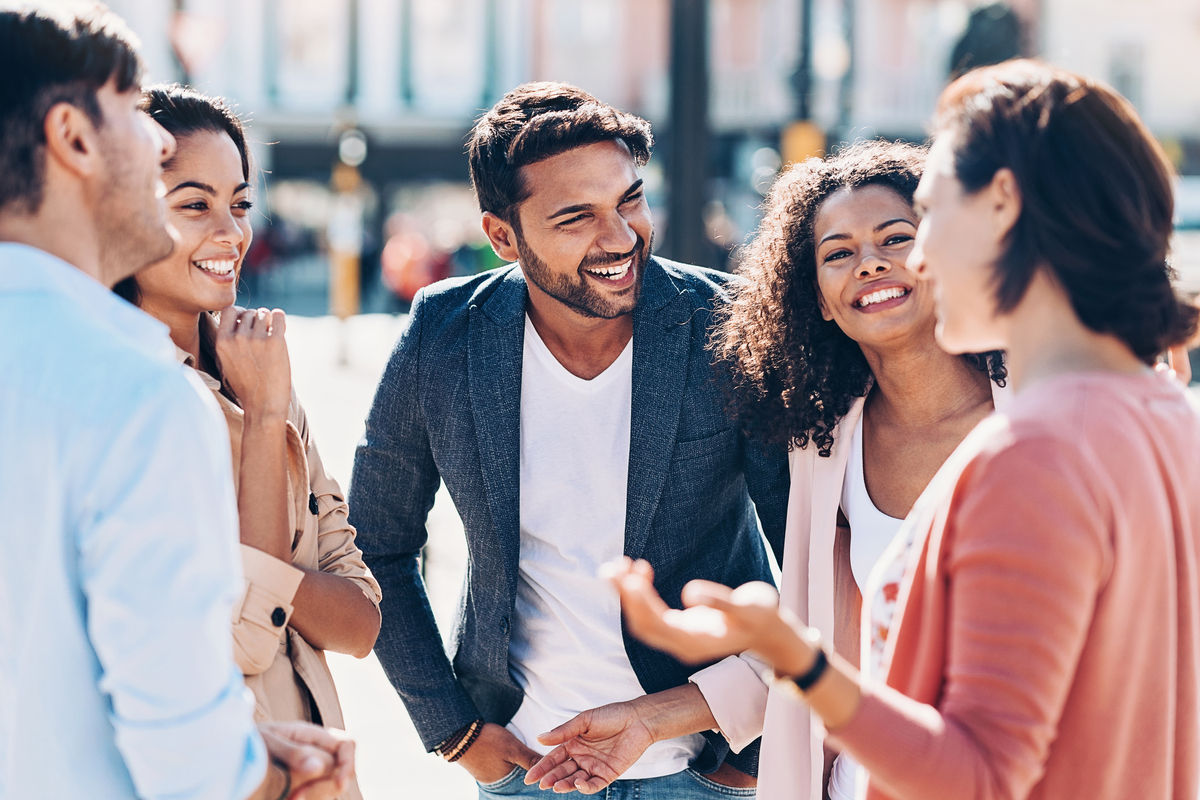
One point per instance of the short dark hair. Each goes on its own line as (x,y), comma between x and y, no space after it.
(183,111)
(1096,196)
(536,121)
(50,56)
(794,374)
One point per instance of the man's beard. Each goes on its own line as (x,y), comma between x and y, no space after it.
(580,295)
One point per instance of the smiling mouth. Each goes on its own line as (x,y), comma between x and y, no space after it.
(615,272)
(222,268)
(881,296)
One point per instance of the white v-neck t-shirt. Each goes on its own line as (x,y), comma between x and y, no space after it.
(566,649)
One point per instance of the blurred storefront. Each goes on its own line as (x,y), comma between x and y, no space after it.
(412,75)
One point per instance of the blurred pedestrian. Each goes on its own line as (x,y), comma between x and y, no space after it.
(306,587)
(571,408)
(116,672)
(1047,639)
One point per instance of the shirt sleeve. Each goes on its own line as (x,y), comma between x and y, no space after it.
(263,609)
(159,569)
(337,549)
(1025,556)
(736,696)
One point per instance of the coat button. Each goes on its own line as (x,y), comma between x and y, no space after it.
(504,624)
(278,617)
(312,503)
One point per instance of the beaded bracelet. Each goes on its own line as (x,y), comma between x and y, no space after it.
(455,741)
(465,745)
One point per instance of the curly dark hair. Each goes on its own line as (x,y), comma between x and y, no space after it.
(794,374)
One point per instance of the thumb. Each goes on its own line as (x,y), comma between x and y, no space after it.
(576,726)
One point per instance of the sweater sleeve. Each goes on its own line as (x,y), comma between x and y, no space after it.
(1025,555)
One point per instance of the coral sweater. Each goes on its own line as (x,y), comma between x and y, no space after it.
(1048,637)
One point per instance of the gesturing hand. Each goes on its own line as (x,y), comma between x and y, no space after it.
(594,749)
(254,359)
(718,622)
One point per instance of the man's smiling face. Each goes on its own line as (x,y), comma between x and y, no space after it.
(583,233)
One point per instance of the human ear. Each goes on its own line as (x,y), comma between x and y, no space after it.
(71,140)
(501,235)
(1005,197)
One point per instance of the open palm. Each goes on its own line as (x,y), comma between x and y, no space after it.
(594,749)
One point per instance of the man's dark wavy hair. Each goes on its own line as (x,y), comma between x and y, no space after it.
(794,374)
(1096,196)
(50,56)
(534,122)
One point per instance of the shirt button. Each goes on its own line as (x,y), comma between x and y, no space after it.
(504,624)
(312,503)
(278,617)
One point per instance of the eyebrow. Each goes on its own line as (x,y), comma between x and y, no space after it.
(204,187)
(575,209)
(876,229)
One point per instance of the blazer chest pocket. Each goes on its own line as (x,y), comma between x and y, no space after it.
(720,444)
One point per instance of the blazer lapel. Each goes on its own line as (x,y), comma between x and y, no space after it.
(825,495)
(662,335)
(495,343)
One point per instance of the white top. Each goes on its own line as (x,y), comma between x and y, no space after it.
(121,564)
(566,649)
(871,531)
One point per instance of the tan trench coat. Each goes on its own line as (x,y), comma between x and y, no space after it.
(289,677)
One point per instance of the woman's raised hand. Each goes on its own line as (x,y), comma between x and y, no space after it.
(254,360)
(718,622)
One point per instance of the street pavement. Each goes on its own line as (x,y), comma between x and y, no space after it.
(335,368)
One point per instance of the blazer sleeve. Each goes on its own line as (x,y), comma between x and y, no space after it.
(768,483)
(391,492)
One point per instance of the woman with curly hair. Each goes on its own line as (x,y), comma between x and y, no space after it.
(831,345)
(1046,641)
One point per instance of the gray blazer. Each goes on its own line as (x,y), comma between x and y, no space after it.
(448,406)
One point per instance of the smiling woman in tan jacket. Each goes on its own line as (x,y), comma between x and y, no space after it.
(306,587)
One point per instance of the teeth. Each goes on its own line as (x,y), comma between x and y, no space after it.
(616,271)
(216,267)
(881,296)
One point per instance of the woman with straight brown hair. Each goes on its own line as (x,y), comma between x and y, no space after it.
(1046,642)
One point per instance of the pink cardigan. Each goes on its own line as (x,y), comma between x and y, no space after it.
(1048,642)
(792,754)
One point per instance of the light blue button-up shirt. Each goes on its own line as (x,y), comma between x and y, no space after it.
(118,554)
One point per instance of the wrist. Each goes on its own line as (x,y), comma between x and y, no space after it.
(791,649)
(674,712)
(264,420)
(278,783)
(459,742)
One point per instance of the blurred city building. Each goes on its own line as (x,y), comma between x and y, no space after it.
(407,78)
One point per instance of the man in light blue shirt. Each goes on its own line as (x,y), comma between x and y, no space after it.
(120,563)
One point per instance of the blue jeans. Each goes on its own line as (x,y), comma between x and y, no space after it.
(686,785)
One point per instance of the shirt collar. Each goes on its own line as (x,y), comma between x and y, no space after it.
(27,269)
(185,358)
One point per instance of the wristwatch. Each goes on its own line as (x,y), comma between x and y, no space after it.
(806,680)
